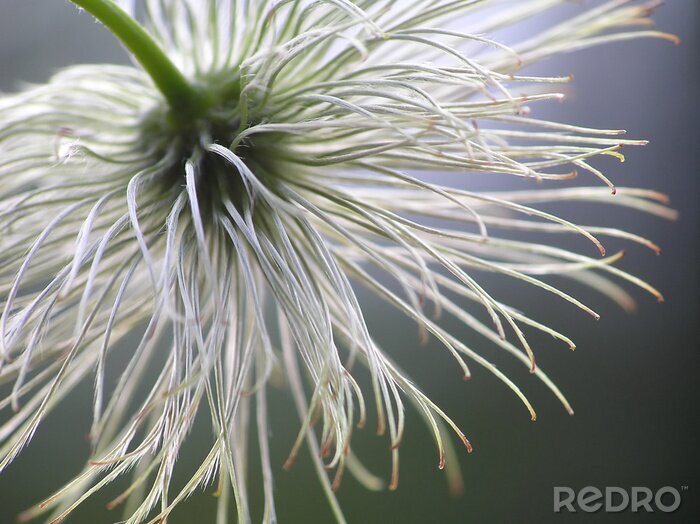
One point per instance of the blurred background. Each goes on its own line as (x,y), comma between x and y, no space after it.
(633,382)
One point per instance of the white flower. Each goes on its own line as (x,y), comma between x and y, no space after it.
(226,203)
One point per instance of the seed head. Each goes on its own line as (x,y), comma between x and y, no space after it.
(210,214)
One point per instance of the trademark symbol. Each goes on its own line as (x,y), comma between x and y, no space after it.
(684,488)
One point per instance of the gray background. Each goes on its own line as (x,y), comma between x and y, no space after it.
(633,382)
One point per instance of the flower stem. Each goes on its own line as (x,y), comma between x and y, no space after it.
(185,101)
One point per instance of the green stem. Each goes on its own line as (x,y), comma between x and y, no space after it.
(185,101)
